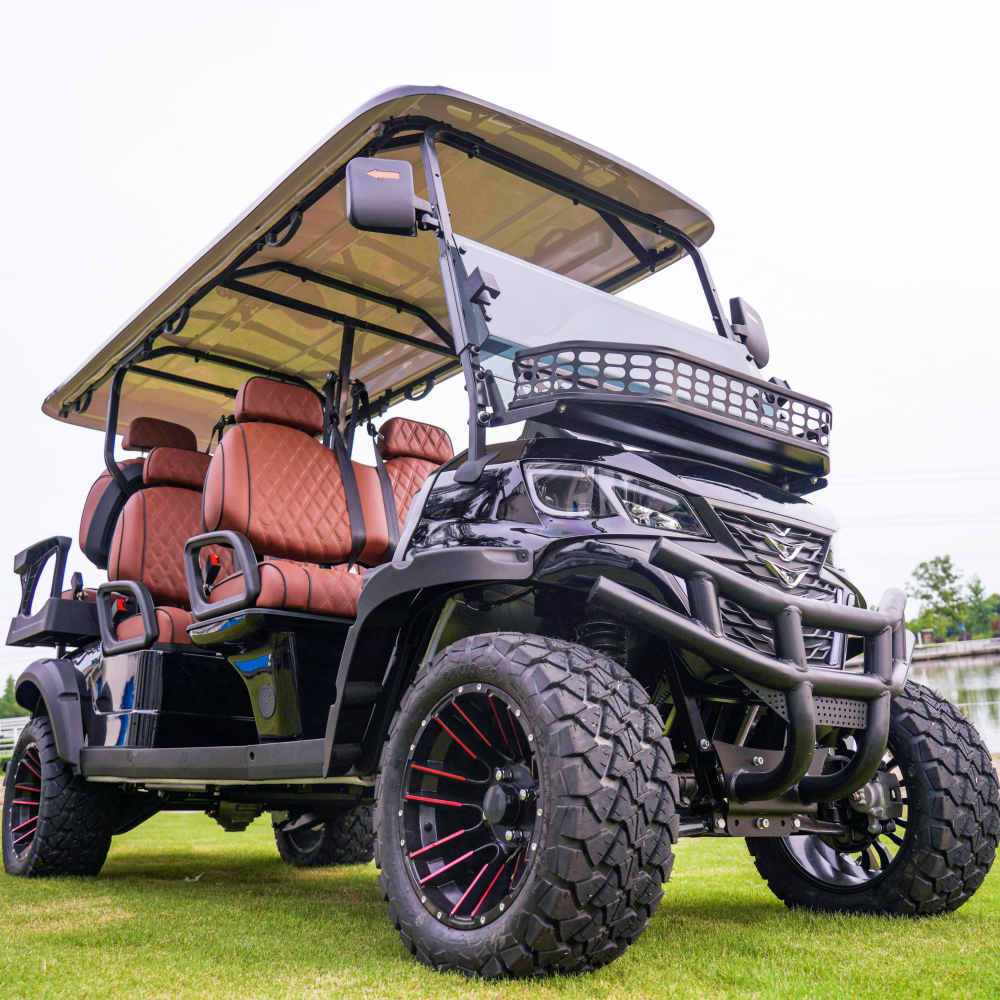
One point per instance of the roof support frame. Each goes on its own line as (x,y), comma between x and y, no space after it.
(305,274)
(320,312)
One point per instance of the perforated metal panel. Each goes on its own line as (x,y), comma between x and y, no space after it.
(592,371)
(845,713)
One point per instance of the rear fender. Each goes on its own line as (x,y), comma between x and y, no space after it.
(57,689)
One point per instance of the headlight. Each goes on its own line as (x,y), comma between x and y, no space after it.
(568,489)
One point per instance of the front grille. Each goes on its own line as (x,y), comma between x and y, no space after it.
(798,554)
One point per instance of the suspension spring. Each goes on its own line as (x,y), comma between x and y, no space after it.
(606,636)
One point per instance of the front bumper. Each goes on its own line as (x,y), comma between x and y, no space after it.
(886,664)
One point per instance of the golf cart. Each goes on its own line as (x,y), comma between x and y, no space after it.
(516,675)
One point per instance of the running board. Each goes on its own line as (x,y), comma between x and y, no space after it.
(297,759)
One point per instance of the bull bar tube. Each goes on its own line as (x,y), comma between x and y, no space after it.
(886,663)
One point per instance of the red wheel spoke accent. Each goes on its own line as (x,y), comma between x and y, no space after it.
(443,840)
(490,886)
(439,802)
(444,868)
(29,788)
(467,891)
(455,738)
(24,802)
(25,823)
(471,723)
(24,761)
(431,770)
(513,725)
(24,836)
(499,723)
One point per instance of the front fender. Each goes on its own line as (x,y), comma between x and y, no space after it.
(56,688)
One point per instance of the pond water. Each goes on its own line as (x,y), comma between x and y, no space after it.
(973,684)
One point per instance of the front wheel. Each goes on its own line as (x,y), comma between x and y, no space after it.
(524,810)
(930,860)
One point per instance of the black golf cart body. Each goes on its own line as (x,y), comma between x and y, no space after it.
(654,510)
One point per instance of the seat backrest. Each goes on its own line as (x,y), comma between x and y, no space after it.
(148,542)
(411,451)
(271,480)
(105,500)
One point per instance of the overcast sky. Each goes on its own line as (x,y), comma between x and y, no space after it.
(849,155)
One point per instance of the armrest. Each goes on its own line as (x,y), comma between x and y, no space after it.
(28,565)
(107,592)
(244,561)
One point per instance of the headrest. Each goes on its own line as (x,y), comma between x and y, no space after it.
(175,467)
(401,438)
(149,432)
(267,401)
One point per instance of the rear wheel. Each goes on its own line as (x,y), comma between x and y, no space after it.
(524,810)
(344,838)
(54,822)
(931,859)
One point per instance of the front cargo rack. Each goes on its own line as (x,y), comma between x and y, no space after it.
(706,400)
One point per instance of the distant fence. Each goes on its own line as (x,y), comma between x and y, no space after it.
(10,729)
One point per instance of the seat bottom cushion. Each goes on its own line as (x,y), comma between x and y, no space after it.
(295,586)
(173,623)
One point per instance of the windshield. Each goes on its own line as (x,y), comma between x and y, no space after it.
(537,308)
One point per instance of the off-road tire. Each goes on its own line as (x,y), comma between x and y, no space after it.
(953,816)
(609,823)
(347,838)
(76,818)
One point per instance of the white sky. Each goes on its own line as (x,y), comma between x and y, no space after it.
(848,154)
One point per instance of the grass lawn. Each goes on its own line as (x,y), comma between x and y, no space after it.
(253,927)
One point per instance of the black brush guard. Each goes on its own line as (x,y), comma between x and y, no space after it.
(883,677)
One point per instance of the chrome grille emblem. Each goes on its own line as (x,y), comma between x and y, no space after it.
(787,579)
(786,551)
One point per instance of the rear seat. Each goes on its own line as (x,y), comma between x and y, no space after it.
(272,481)
(105,500)
(148,542)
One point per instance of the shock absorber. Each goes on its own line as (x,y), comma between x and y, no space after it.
(606,636)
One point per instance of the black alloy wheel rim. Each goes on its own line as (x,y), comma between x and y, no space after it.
(858,868)
(27,796)
(470,806)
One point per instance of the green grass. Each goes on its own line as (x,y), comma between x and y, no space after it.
(253,927)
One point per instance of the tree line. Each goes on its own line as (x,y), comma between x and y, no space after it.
(952,607)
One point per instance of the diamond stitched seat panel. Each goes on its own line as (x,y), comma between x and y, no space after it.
(148,543)
(407,475)
(399,437)
(283,490)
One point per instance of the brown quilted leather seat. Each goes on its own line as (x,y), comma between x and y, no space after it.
(148,543)
(412,451)
(105,501)
(271,480)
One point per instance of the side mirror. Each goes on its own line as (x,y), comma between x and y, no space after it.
(747,325)
(380,196)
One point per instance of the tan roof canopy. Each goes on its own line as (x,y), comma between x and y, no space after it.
(262,302)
